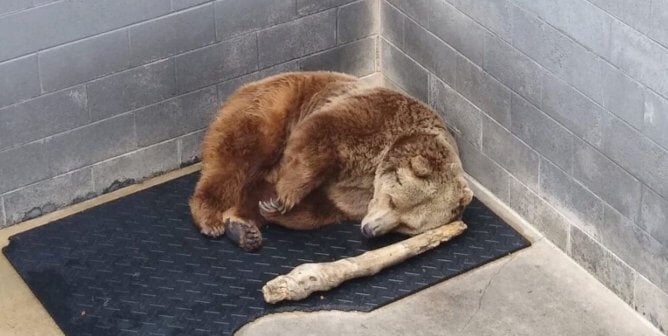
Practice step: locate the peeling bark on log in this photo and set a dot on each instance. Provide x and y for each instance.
(312, 277)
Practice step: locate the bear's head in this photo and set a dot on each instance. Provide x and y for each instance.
(419, 185)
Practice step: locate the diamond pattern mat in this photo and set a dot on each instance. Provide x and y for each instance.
(137, 266)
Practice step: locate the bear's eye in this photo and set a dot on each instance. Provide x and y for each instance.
(392, 204)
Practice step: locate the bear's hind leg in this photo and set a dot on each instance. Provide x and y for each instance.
(238, 148)
(207, 207)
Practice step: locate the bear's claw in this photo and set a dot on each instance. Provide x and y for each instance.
(273, 206)
(247, 235)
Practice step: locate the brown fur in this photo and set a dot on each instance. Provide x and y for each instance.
(316, 148)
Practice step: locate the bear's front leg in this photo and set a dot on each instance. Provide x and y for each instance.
(301, 171)
(291, 188)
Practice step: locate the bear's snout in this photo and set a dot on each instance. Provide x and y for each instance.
(367, 231)
(374, 226)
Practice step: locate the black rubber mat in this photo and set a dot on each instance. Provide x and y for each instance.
(137, 266)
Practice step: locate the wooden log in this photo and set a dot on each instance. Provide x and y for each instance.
(312, 277)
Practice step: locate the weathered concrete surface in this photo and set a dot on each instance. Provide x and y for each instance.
(537, 291)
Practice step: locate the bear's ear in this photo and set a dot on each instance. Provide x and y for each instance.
(420, 166)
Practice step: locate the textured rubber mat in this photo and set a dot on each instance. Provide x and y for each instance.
(137, 266)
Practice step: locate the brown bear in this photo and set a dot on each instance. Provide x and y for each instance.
(307, 149)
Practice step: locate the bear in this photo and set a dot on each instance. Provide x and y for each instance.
(307, 149)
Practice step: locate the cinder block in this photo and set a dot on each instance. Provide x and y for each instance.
(570, 198)
(655, 120)
(513, 69)
(511, 153)
(172, 34)
(92, 143)
(657, 22)
(579, 19)
(653, 215)
(430, 52)
(191, 150)
(374, 79)
(392, 24)
(8, 6)
(234, 18)
(637, 154)
(573, 109)
(306, 7)
(639, 57)
(43, 116)
(542, 133)
(483, 90)
(131, 89)
(539, 213)
(652, 303)
(47, 196)
(607, 268)
(279, 68)
(357, 58)
(418, 10)
(175, 117)
(405, 72)
(622, 96)
(635, 13)
(26, 164)
(607, 180)
(135, 166)
(457, 30)
(216, 63)
(19, 80)
(297, 38)
(484, 170)
(637, 248)
(84, 60)
(226, 88)
(66, 21)
(492, 14)
(460, 114)
(357, 20)
(523, 201)
(565, 58)
(181, 4)
(388, 83)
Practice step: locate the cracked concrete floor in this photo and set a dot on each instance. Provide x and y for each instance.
(536, 291)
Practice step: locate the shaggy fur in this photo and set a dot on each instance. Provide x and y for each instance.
(308, 149)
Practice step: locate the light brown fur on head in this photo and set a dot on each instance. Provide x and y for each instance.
(308, 149)
(418, 186)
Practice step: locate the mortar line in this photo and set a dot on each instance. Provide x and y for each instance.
(4, 210)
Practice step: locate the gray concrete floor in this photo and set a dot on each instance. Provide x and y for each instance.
(536, 291)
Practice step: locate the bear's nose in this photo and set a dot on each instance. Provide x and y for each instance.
(367, 231)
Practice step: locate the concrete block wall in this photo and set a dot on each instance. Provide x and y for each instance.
(97, 94)
(561, 109)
